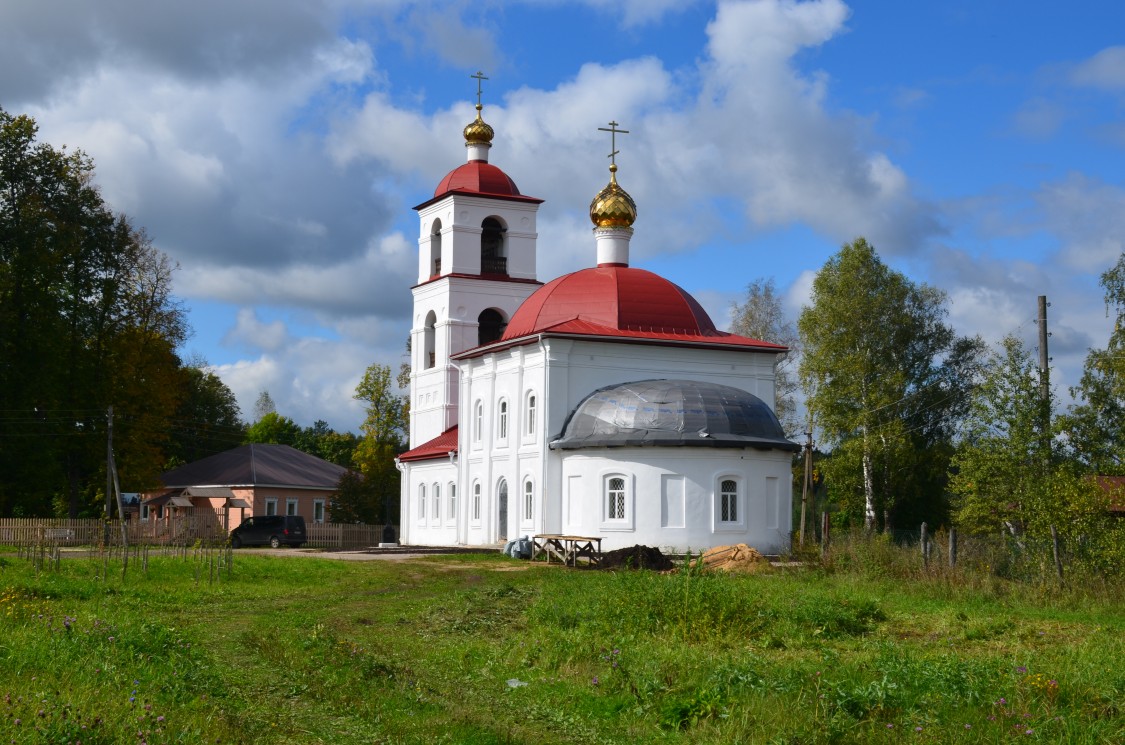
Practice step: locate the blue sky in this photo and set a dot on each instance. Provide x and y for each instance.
(274, 148)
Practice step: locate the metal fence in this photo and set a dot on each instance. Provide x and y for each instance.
(187, 525)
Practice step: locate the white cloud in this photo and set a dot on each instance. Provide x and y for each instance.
(1039, 118)
(1088, 216)
(1105, 70)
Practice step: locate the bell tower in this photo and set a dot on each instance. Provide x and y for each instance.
(476, 266)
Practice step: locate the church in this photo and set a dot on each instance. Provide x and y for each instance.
(604, 403)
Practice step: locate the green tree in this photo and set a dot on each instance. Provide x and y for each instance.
(264, 405)
(207, 420)
(1007, 474)
(274, 429)
(886, 380)
(761, 317)
(382, 436)
(324, 442)
(87, 320)
(1094, 425)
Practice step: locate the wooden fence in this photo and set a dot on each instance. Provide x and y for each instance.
(186, 526)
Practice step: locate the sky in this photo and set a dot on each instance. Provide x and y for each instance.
(275, 149)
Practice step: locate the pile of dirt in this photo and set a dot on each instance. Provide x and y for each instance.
(736, 558)
(637, 557)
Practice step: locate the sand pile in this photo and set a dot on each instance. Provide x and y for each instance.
(736, 558)
(637, 557)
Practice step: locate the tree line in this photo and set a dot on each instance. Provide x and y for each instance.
(88, 322)
(917, 424)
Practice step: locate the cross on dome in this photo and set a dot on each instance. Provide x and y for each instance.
(613, 207)
(478, 135)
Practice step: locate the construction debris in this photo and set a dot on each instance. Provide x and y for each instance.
(637, 557)
(736, 558)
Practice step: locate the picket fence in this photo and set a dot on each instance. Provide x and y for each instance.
(180, 528)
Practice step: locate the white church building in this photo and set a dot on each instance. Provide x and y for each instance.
(604, 403)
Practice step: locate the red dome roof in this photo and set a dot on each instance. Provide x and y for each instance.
(618, 298)
(480, 177)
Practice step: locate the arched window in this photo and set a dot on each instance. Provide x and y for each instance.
(502, 421)
(493, 259)
(421, 501)
(452, 500)
(490, 326)
(428, 341)
(728, 501)
(435, 248)
(530, 428)
(615, 498)
(436, 514)
(528, 501)
(476, 501)
(478, 421)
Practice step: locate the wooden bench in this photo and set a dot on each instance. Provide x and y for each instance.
(568, 549)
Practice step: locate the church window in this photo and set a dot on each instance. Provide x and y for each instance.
(428, 341)
(531, 413)
(478, 421)
(436, 514)
(492, 256)
(728, 501)
(528, 501)
(476, 501)
(421, 501)
(490, 326)
(435, 249)
(452, 500)
(502, 421)
(615, 498)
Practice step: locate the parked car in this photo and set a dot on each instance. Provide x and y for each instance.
(272, 530)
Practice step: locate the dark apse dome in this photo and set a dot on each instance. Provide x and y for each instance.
(672, 413)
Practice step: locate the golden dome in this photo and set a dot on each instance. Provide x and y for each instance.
(477, 131)
(613, 207)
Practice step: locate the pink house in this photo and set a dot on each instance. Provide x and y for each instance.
(224, 489)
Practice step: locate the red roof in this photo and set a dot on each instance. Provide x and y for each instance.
(623, 302)
(478, 178)
(1114, 487)
(438, 447)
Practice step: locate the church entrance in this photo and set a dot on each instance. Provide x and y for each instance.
(502, 499)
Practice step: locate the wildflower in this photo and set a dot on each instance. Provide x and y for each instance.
(1002, 701)
(917, 729)
(1021, 669)
(1029, 731)
(160, 718)
(890, 726)
(968, 726)
(595, 680)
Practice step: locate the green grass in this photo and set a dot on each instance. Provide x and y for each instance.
(483, 649)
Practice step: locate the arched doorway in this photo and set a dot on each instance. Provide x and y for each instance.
(502, 510)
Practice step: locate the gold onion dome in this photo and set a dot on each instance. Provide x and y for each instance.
(613, 207)
(477, 131)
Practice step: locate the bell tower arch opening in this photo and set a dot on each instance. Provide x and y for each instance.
(435, 248)
(493, 251)
(429, 348)
(490, 326)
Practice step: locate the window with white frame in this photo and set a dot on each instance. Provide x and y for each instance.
(144, 513)
(318, 510)
(452, 500)
(290, 506)
(530, 415)
(478, 421)
(271, 506)
(528, 501)
(728, 501)
(615, 498)
(502, 421)
(421, 501)
(476, 501)
(436, 514)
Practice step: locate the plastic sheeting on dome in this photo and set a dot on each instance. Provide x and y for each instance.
(672, 413)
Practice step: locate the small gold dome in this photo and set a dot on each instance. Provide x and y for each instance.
(477, 131)
(613, 207)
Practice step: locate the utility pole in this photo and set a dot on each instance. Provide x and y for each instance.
(108, 471)
(805, 482)
(1044, 359)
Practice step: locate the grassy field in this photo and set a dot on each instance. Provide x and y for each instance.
(485, 649)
